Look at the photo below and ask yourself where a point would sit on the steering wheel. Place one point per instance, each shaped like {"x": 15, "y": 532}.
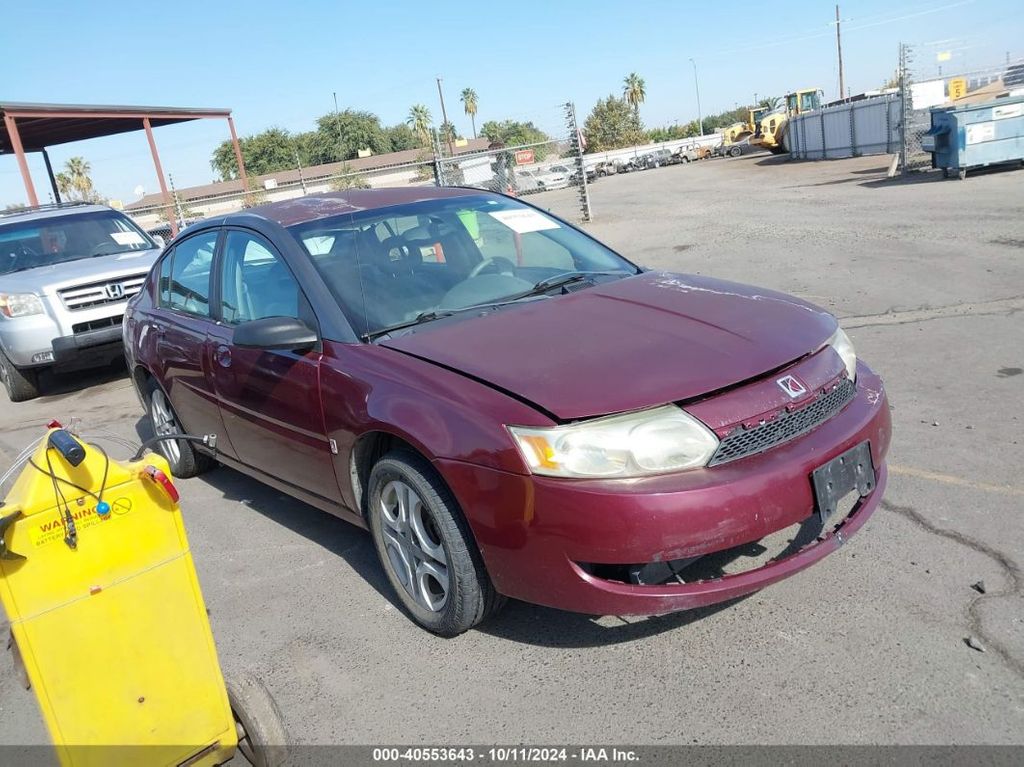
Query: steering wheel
{"x": 101, "y": 249}
{"x": 503, "y": 266}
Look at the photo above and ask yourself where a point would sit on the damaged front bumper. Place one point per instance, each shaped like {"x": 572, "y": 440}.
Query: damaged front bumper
{"x": 571, "y": 544}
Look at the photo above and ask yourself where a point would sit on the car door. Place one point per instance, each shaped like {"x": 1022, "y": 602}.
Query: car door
{"x": 269, "y": 399}
{"x": 180, "y": 322}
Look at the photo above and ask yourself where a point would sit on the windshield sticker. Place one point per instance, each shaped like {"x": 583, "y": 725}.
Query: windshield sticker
{"x": 524, "y": 220}
{"x": 127, "y": 238}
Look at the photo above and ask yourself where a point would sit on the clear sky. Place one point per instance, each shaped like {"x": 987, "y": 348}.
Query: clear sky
{"x": 278, "y": 63}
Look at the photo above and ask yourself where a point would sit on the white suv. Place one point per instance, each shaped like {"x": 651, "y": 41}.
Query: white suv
{"x": 66, "y": 273}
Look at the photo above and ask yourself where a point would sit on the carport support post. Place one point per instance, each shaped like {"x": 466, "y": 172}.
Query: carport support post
{"x": 238, "y": 155}
{"x": 19, "y": 152}
{"x": 53, "y": 181}
{"x": 172, "y": 217}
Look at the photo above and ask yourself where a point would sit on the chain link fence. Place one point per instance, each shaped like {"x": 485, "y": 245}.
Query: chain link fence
{"x": 521, "y": 169}
{"x": 931, "y": 77}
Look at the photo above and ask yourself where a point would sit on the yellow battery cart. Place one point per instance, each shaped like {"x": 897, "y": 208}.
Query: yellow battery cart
{"x": 108, "y": 621}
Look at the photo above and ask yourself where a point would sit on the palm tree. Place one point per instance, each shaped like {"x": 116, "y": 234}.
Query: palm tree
{"x": 448, "y": 133}
{"x": 419, "y": 120}
{"x": 74, "y": 181}
{"x": 469, "y": 103}
{"x": 772, "y": 104}
{"x": 633, "y": 91}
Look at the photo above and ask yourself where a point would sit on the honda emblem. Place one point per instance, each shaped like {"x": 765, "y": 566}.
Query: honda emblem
{"x": 792, "y": 386}
{"x": 115, "y": 290}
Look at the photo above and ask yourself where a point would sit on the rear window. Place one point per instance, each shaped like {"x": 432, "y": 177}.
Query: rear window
{"x": 59, "y": 239}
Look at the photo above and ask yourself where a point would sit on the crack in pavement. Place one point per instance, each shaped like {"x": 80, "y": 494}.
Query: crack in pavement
{"x": 1012, "y": 571}
{"x": 1005, "y": 306}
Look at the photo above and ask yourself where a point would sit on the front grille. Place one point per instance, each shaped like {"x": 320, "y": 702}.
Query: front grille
{"x": 742, "y": 442}
{"x": 106, "y": 322}
{"x": 99, "y": 293}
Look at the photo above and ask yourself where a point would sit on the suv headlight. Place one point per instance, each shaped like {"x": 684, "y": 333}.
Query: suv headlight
{"x": 20, "y": 304}
{"x": 655, "y": 441}
{"x": 844, "y": 348}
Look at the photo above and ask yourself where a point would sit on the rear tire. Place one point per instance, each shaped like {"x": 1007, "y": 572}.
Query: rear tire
{"x": 21, "y": 384}
{"x": 184, "y": 460}
{"x": 426, "y": 547}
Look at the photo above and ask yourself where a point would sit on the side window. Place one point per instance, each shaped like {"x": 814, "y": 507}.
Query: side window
{"x": 255, "y": 282}
{"x": 188, "y": 288}
{"x": 164, "y": 285}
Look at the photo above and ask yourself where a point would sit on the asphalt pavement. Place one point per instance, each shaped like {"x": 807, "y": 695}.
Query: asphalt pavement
{"x": 867, "y": 647}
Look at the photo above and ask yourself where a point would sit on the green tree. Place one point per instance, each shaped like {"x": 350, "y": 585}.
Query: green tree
{"x": 634, "y": 92}
{"x": 513, "y": 133}
{"x": 771, "y": 103}
{"x": 340, "y": 136}
{"x": 402, "y": 137}
{"x": 266, "y": 152}
{"x": 469, "y": 103}
{"x": 448, "y": 132}
{"x": 420, "y": 120}
{"x": 612, "y": 124}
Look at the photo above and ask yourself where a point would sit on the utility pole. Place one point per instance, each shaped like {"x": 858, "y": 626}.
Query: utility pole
{"x": 696, "y": 85}
{"x": 444, "y": 116}
{"x": 839, "y": 49}
{"x": 178, "y": 213}
{"x": 298, "y": 163}
{"x": 338, "y": 123}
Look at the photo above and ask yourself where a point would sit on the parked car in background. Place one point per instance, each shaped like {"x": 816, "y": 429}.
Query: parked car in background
{"x": 605, "y": 168}
{"x": 692, "y": 153}
{"x": 541, "y": 180}
{"x": 554, "y": 177}
{"x": 660, "y": 157}
{"x": 589, "y": 170}
{"x": 66, "y": 274}
{"x": 511, "y": 408}
{"x": 527, "y": 182}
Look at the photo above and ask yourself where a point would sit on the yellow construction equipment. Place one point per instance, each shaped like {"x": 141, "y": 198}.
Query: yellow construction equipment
{"x": 774, "y": 125}
{"x": 740, "y": 131}
{"x": 108, "y": 624}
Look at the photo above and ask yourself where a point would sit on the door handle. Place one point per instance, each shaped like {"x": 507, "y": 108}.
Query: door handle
{"x": 223, "y": 356}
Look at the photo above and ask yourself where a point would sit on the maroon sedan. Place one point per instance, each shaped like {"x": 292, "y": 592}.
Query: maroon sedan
{"x": 510, "y": 407}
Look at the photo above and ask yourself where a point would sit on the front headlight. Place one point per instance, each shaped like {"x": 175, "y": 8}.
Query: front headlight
{"x": 20, "y": 304}
{"x": 844, "y": 348}
{"x": 633, "y": 445}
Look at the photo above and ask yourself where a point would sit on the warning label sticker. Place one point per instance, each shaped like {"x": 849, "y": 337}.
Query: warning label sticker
{"x": 54, "y": 529}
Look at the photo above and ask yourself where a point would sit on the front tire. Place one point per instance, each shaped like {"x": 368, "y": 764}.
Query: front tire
{"x": 426, "y": 548}
{"x": 21, "y": 384}
{"x": 182, "y": 458}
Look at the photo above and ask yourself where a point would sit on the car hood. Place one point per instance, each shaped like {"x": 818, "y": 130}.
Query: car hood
{"x": 629, "y": 344}
{"x": 45, "y": 278}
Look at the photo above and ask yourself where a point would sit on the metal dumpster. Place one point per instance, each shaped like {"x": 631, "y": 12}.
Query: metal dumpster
{"x": 977, "y": 135}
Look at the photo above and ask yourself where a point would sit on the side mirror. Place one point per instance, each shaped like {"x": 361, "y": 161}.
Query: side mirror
{"x": 160, "y": 242}
{"x": 275, "y": 333}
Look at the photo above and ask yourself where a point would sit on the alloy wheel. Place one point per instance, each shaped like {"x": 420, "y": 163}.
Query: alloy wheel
{"x": 413, "y": 544}
{"x": 162, "y": 416}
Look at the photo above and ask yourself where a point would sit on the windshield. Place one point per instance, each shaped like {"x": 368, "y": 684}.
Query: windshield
{"x": 395, "y": 265}
{"x": 58, "y": 239}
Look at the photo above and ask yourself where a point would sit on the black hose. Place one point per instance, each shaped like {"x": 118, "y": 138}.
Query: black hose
{"x": 209, "y": 441}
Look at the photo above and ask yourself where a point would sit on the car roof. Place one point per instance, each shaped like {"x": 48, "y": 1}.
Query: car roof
{"x": 317, "y": 206}
{"x": 18, "y": 215}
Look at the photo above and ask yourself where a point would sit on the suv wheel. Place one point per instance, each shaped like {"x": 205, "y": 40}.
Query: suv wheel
{"x": 21, "y": 384}
{"x": 182, "y": 458}
{"x": 426, "y": 548}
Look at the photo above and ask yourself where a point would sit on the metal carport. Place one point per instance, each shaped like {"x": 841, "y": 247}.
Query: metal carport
{"x": 34, "y": 127}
